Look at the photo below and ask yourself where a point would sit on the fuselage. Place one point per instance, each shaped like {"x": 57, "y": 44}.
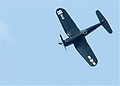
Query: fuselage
{"x": 82, "y": 34}
{"x": 73, "y": 39}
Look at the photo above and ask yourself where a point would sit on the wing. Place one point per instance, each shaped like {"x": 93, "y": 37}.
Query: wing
{"x": 85, "y": 51}
{"x": 68, "y": 25}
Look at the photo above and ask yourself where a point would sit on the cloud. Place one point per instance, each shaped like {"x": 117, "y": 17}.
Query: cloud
{"x": 5, "y": 31}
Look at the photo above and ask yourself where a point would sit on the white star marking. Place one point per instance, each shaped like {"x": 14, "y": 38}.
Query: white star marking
{"x": 94, "y": 63}
{"x": 89, "y": 57}
{"x": 91, "y": 60}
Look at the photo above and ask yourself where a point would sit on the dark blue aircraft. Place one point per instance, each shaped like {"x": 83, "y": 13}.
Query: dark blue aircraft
{"x": 77, "y": 37}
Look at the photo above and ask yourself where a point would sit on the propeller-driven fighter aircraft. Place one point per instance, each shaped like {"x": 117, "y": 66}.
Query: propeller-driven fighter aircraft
{"x": 77, "y": 37}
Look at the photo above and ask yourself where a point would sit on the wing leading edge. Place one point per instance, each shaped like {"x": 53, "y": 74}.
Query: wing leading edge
{"x": 68, "y": 24}
{"x": 86, "y": 52}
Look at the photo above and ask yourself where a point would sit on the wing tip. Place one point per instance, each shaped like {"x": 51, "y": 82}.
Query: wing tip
{"x": 93, "y": 64}
{"x": 59, "y": 9}
{"x": 97, "y": 11}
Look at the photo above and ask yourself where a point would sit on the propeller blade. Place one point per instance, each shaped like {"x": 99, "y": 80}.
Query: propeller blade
{"x": 61, "y": 38}
{"x": 62, "y": 42}
{"x": 65, "y": 48}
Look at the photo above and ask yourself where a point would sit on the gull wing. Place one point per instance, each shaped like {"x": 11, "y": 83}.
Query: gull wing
{"x": 85, "y": 51}
{"x": 68, "y": 24}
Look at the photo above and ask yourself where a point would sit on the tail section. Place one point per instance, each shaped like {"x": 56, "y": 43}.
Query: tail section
{"x": 103, "y": 21}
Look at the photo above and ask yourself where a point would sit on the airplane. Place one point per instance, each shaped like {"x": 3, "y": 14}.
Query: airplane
{"x": 77, "y": 37}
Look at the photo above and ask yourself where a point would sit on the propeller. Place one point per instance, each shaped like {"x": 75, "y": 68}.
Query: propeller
{"x": 63, "y": 42}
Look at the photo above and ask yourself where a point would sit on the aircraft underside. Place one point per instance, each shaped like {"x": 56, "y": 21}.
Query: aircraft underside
{"x": 77, "y": 37}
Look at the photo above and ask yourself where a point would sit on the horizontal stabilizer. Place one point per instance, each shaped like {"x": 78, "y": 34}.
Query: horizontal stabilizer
{"x": 103, "y": 21}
